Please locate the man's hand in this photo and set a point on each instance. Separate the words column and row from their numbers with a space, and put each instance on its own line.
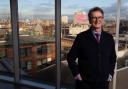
column 109, row 78
column 78, row 77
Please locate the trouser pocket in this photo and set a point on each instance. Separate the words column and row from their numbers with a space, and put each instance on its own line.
column 81, row 85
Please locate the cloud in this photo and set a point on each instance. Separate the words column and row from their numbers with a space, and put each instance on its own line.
column 43, row 11
column 124, row 2
column 46, row 4
column 111, row 10
column 71, row 9
column 4, row 11
column 44, row 8
column 41, row 8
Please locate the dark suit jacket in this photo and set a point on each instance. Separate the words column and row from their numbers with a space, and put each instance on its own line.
column 95, row 60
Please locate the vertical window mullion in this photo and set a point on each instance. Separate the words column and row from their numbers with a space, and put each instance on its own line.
column 15, row 40
column 58, row 40
column 117, row 38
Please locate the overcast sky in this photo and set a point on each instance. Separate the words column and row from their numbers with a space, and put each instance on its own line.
column 46, row 8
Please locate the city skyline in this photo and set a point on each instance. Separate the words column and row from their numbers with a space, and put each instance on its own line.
column 36, row 9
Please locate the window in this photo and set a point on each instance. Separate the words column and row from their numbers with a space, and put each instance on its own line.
column 123, row 42
column 126, row 63
column 6, row 48
column 29, row 65
column 75, row 20
column 36, row 30
column 42, row 50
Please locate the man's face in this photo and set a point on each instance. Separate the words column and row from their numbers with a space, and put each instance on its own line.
column 96, row 19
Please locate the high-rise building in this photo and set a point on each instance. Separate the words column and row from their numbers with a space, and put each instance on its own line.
column 64, row 19
column 80, row 17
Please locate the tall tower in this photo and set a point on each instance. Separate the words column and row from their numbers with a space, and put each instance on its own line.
column 80, row 17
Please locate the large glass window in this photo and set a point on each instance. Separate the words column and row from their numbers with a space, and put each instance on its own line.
column 122, row 61
column 75, row 20
column 6, row 48
column 37, row 37
column 37, row 41
column 123, row 35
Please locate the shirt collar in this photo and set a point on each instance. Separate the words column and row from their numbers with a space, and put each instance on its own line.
column 94, row 32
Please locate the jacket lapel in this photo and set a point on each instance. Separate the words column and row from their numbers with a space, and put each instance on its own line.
column 102, row 38
column 91, row 37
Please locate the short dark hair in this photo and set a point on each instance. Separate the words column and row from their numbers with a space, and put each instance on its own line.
column 93, row 10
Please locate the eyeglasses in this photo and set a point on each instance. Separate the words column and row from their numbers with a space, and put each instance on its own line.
column 97, row 18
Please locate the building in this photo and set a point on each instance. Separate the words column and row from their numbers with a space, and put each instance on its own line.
column 34, row 54
column 75, row 29
column 80, row 17
column 64, row 19
column 65, row 29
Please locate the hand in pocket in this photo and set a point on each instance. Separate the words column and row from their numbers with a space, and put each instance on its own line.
column 81, row 85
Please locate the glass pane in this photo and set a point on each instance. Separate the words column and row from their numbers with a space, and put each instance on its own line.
column 37, row 40
column 6, row 48
column 123, row 32
column 75, row 20
column 122, row 61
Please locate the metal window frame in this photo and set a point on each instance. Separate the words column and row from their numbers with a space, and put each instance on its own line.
column 15, row 43
column 14, row 23
column 117, row 40
column 27, row 82
column 58, row 41
column 15, row 38
column 15, row 32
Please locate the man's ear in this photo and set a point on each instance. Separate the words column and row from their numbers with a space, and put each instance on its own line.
column 89, row 21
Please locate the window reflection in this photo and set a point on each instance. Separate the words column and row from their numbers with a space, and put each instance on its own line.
column 6, row 48
column 37, row 39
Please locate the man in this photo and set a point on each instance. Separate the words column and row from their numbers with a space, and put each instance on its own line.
column 95, row 51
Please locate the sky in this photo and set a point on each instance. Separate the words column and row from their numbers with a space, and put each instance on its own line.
column 46, row 8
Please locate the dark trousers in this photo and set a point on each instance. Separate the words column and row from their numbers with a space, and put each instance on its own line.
column 91, row 85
